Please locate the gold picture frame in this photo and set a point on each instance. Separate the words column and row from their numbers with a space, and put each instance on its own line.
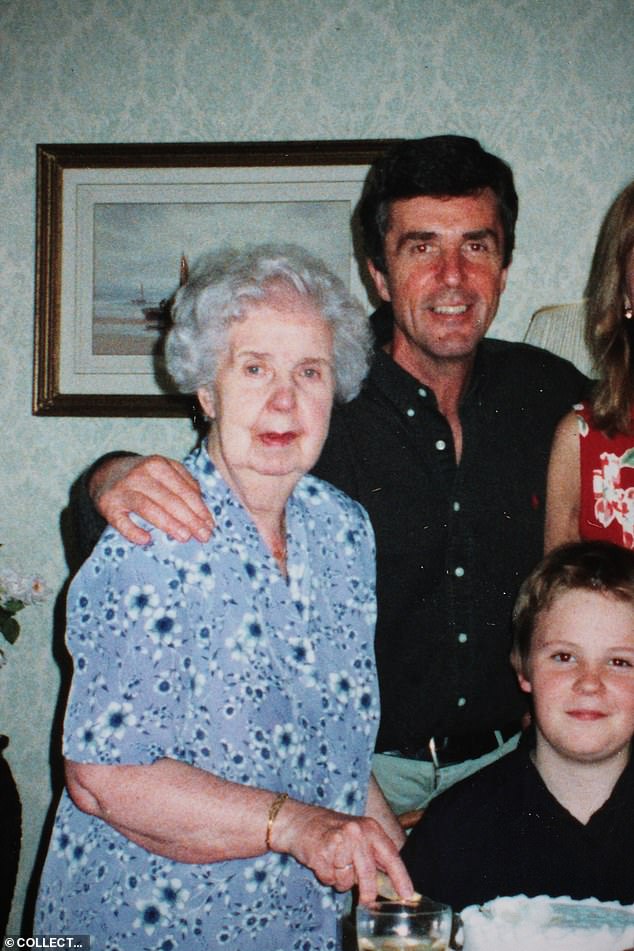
column 113, row 223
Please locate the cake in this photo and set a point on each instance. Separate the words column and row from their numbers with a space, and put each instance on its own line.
column 543, row 923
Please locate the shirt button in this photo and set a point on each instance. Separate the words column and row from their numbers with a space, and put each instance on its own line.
column 411, row 412
column 462, row 637
column 441, row 444
column 462, row 701
column 459, row 571
column 422, row 391
column 456, row 506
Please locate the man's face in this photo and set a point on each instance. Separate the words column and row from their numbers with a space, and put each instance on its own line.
column 444, row 273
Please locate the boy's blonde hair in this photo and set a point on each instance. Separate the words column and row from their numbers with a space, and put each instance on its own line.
column 590, row 566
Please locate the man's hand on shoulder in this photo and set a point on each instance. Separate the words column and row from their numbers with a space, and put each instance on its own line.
column 160, row 490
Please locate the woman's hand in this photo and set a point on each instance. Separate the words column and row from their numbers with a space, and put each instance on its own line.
column 189, row 815
column 160, row 490
column 341, row 850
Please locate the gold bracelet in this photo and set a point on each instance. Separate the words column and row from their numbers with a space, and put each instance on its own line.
column 276, row 805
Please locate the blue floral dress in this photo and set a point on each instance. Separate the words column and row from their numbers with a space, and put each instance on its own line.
column 207, row 654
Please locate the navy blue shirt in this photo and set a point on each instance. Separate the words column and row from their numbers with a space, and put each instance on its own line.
column 453, row 541
column 501, row 832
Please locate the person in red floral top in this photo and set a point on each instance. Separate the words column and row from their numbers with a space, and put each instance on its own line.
column 591, row 472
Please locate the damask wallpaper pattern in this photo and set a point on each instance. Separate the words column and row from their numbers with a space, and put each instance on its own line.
column 545, row 83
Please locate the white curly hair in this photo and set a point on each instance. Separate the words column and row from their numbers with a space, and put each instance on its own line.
column 221, row 287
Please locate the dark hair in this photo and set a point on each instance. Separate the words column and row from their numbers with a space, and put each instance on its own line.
column 441, row 166
column 590, row 566
column 610, row 338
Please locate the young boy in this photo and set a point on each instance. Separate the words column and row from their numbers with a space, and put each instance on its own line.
column 556, row 816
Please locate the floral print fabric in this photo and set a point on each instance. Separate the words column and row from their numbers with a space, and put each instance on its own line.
column 208, row 655
column 606, row 509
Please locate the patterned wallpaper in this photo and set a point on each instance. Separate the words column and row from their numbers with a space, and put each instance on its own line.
column 545, row 83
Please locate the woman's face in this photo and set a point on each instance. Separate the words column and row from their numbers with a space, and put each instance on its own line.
column 273, row 394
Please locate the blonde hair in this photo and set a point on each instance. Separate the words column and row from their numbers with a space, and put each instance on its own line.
column 577, row 566
column 609, row 337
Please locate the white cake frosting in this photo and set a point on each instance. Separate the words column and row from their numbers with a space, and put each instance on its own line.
column 544, row 923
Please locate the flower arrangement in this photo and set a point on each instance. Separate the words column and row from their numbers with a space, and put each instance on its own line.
column 16, row 592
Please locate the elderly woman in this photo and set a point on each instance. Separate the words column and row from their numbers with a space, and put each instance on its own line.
column 224, row 706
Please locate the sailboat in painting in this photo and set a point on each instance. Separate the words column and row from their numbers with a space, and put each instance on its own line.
column 141, row 299
column 158, row 316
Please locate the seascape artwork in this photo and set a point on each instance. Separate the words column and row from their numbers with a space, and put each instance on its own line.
column 139, row 247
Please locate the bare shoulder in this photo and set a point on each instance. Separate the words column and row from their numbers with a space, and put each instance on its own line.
column 568, row 430
column 564, row 484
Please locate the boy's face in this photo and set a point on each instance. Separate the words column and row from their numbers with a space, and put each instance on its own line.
column 580, row 671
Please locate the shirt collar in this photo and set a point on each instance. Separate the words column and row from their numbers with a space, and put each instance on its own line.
column 406, row 392
column 217, row 493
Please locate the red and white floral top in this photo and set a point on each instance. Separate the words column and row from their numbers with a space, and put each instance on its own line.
column 607, row 482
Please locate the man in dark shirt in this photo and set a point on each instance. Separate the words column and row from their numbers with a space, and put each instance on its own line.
column 447, row 448
column 454, row 541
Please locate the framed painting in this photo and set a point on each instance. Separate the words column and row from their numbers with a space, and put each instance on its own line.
column 116, row 226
